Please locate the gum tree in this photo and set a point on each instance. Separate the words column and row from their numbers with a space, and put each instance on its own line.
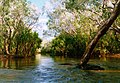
column 100, row 16
column 103, row 29
column 16, row 16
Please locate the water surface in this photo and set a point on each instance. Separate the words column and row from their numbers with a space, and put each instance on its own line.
column 44, row 69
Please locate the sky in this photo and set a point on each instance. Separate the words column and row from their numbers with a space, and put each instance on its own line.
column 39, row 4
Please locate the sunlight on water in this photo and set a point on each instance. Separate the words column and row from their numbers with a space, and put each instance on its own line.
column 44, row 69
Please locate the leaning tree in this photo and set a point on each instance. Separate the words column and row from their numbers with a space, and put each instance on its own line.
column 103, row 29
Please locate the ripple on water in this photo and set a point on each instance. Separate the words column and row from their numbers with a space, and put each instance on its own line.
column 48, row 70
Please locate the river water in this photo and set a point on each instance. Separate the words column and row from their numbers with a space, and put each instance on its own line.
column 45, row 69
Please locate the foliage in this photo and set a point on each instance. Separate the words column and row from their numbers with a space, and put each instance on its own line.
column 110, row 43
column 67, row 45
column 77, row 22
column 27, row 43
column 17, row 18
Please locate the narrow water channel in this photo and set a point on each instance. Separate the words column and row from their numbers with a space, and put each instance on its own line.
column 44, row 69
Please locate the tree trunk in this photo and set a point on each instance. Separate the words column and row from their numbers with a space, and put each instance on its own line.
column 6, row 52
column 9, row 41
column 104, row 28
column 16, row 52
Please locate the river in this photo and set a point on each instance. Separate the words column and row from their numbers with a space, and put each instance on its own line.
column 45, row 69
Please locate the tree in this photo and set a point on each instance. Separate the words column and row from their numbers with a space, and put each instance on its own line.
column 103, row 29
column 90, row 18
column 16, row 18
column 26, row 43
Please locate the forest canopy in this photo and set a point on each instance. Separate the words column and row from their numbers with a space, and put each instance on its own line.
column 76, row 22
column 17, row 18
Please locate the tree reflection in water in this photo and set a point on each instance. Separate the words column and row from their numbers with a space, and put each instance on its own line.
column 45, row 69
column 16, row 63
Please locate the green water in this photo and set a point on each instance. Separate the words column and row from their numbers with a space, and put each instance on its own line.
column 44, row 69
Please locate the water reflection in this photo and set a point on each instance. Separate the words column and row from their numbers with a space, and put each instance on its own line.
column 14, row 63
column 44, row 69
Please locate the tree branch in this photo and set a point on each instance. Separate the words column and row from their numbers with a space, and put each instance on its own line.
column 103, row 29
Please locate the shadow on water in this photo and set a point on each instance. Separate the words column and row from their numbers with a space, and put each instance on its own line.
column 44, row 69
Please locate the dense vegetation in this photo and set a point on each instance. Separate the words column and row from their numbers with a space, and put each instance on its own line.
column 77, row 22
column 17, row 19
column 74, row 23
